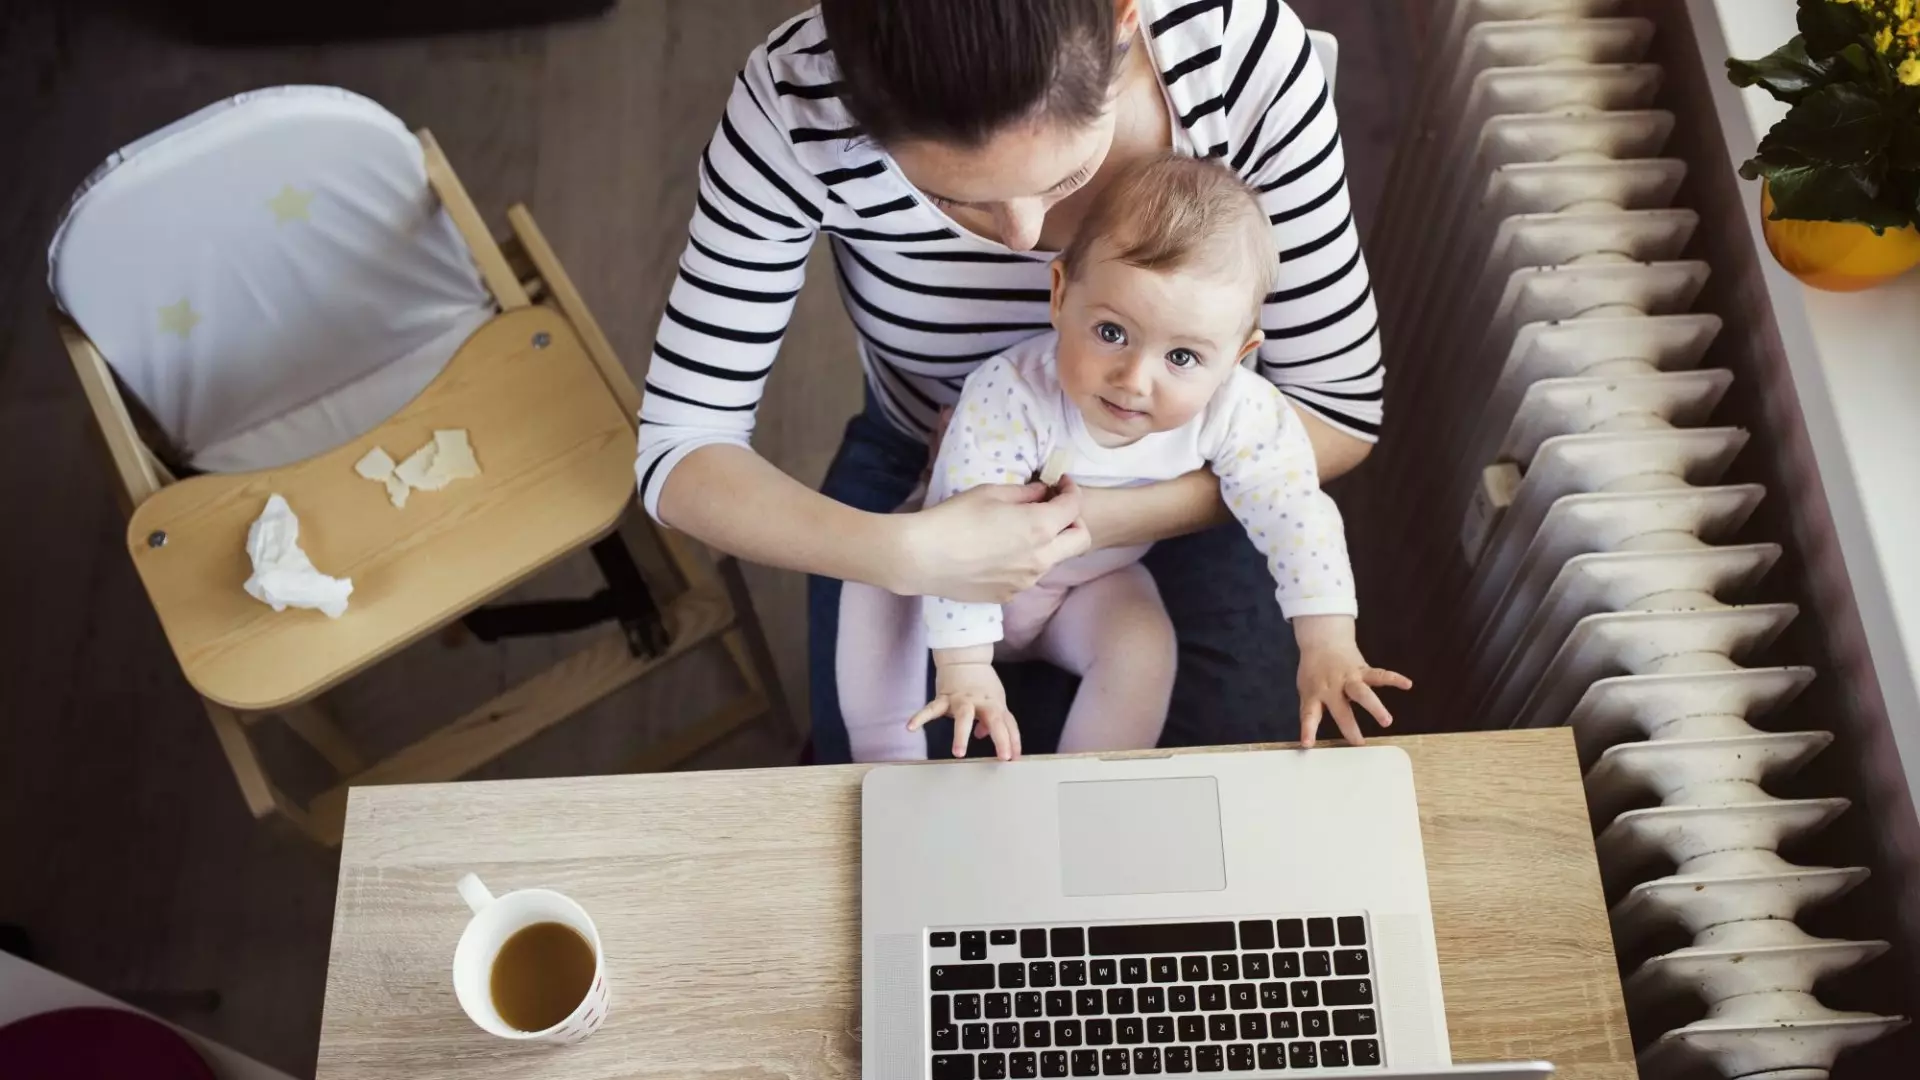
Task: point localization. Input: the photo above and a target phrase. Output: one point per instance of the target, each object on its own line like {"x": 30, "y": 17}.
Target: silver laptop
{"x": 1244, "y": 913}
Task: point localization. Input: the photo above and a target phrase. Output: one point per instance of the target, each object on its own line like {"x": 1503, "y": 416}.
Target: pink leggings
{"x": 1112, "y": 631}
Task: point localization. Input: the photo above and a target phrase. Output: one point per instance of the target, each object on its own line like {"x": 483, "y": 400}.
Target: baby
{"x": 1155, "y": 303}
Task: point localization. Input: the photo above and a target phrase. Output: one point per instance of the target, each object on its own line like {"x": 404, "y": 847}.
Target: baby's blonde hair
{"x": 1172, "y": 212}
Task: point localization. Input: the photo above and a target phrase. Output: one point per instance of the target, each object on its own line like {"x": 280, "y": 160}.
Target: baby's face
{"x": 1143, "y": 350}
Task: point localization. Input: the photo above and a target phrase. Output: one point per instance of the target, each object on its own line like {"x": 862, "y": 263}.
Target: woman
{"x": 949, "y": 147}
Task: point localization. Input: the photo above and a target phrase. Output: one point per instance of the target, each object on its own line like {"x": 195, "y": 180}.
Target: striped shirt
{"x": 932, "y": 301}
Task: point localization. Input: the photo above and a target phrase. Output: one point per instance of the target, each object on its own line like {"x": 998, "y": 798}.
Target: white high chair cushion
{"x": 271, "y": 276}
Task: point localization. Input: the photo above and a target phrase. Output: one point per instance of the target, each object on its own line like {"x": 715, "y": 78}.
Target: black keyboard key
{"x": 1116, "y": 1062}
{"x": 1086, "y": 1063}
{"x": 1350, "y": 962}
{"x": 1284, "y": 1025}
{"x": 1304, "y": 995}
{"x": 1273, "y": 1056}
{"x": 1290, "y": 934}
{"x": 1316, "y": 964}
{"x": 1068, "y": 941}
{"x": 1240, "y": 1057}
{"x": 1347, "y": 992}
{"x": 1006, "y": 1035}
{"x": 1354, "y": 1022}
{"x": 1033, "y": 944}
{"x": 1193, "y": 968}
{"x": 1119, "y": 1000}
{"x": 1105, "y": 973}
{"x": 1099, "y": 1032}
{"x": 1179, "y": 1059}
{"x": 1026, "y": 1003}
{"x": 973, "y": 1036}
{"x": 1320, "y": 932}
{"x": 1066, "y": 1033}
{"x": 1300, "y": 1055}
{"x": 1001, "y": 937}
{"x": 1226, "y": 968}
{"x": 1273, "y": 995}
{"x": 1193, "y": 1029}
{"x": 1313, "y": 1024}
{"x": 961, "y": 976}
{"x": 1150, "y": 999}
{"x": 1333, "y": 1054}
{"x": 973, "y": 944}
{"x": 999, "y": 1006}
{"x": 1129, "y": 1030}
{"x": 946, "y": 1037}
{"x": 1256, "y": 934}
{"x": 1353, "y": 930}
{"x": 1024, "y": 1065}
{"x": 1253, "y": 1026}
{"x": 1160, "y": 1029}
{"x": 1146, "y": 1059}
{"x": 1253, "y": 966}
{"x": 941, "y": 939}
{"x": 1059, "y": 1003}
{"x": 1160, "y": 938}
{"x": 1286, "y": 965}
{"x": 1221, "y": 1028}
{"x": 1210, "y": 1058}
{"x": 1133, "y": 969}
{"x": 1040, "y": 973}
{"x": 1037, "y": 1034}
{"x": 1180, "y": 999}
{"x": 965, "y": 1006}
{"x": 1166, "y": 969}
{"x": 953, "y": 1067}
{"x": 1073, "y": 973}
{"x": 1366, "y": 1052}
{"x": 993, "y": 1067}
{"x": 1242, "y": 996}
{"x": 1013, "y": 975}
{"x": 1089, "y": 1002}
{"x": 1213, "y": 997}
{"x": 941, "y": 1008}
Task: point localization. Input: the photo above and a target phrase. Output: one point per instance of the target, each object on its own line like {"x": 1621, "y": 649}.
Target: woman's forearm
{"x": 1122, "y": 517}
{"x": 1334, "y": 451}
{"x": 737, "y": 501}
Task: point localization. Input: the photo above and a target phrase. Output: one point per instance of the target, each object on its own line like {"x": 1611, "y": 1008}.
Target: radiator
{"x": 1562, "y": 418}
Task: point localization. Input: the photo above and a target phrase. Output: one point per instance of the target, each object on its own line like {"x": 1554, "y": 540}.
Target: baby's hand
{"x": 1332, "y": 672}
{"x": 970, "y": 691}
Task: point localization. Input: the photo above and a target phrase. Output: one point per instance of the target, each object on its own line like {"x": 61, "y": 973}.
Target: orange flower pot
{"x": 1837, "y": 256}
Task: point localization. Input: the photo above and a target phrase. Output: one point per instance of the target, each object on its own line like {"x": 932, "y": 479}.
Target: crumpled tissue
{"x": 283, "y": 576}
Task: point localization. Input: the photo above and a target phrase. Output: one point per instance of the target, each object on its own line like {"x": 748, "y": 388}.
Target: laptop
{"x": 1246, "y": 913}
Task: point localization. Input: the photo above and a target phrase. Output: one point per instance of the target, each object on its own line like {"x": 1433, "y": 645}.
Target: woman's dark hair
{"x": 960, "y": 70}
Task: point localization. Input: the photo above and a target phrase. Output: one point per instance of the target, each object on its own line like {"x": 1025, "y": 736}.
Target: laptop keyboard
{"x": 1150, "y": 999}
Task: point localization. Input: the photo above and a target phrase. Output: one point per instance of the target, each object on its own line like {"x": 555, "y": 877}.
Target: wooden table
{"x": 729, "y": 906}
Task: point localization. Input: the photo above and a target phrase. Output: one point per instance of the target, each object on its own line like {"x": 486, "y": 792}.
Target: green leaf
{"x": 1829, "y": 27}
{"x": 1824, "y": 193}
{"x": 1835, "y": 125}
{"x": 1787, "y": 72}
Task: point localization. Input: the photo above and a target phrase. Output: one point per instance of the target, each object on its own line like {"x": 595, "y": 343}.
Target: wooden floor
{"x": 124, "y": 848}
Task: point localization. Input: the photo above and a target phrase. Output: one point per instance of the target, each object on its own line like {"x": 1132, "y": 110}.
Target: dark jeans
{"x": 1235, "y": 681}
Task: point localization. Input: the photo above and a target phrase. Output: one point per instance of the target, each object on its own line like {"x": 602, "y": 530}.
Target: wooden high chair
{"x": 552, "y": 418}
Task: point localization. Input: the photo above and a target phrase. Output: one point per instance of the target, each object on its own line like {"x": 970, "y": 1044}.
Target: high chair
{"x": 256, "y": 296}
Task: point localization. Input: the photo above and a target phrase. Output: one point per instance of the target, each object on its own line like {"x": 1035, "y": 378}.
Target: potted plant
{"x": 1841, "y": 171}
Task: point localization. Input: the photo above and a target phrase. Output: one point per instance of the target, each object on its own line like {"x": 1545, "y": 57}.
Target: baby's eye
{"x": 1182, "y": 358}
{"x": 1111, "y": 333}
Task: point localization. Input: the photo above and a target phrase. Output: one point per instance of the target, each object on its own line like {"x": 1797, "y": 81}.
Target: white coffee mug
{"x": 495, "y": 919}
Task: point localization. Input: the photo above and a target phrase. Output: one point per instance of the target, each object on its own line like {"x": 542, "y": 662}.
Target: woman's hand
{"x": 986, "y": 544}
{"x": 1332, "y": 673}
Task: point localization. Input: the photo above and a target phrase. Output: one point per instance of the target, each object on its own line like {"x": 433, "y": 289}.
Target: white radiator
{"x": 1539, "y": 276}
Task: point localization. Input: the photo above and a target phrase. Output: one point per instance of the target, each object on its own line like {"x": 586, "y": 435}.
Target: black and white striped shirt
{"x": 932, "y": 301}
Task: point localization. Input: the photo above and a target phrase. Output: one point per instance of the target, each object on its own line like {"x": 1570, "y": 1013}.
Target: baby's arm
{"x": 1267, "y": 479}
{"x": 997, "y": 436}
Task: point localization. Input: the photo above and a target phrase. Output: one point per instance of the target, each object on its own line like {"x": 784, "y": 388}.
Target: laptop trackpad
{"x": 1120, "y": 837}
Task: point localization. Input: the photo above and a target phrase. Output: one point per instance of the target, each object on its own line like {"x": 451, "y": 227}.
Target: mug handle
{"x": 474, "y": 893}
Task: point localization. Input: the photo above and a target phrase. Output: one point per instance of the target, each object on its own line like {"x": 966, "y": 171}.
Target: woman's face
{"x": 1002, "y": 189}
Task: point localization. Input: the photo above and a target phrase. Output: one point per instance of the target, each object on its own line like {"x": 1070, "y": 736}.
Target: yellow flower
{"x": 1883, "y": 40}
{"x": 1910, "y": 71}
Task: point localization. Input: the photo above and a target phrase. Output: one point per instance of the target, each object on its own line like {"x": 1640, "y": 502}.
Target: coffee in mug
{"x": 529, "y": 965}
